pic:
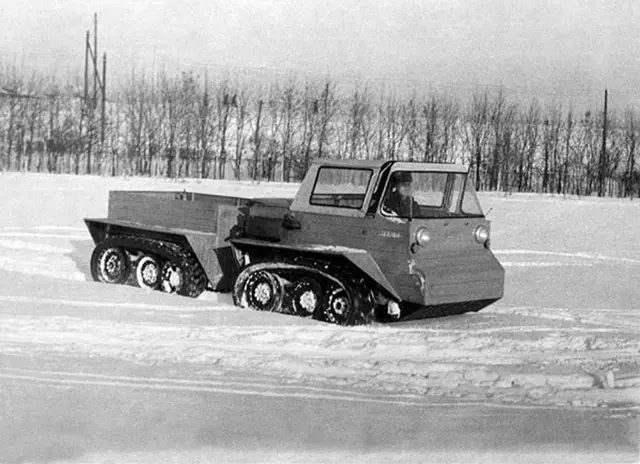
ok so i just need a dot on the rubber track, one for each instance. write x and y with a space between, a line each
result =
196 280
362 289
357 284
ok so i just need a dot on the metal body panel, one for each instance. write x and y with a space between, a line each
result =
180 210
213 252
452 268
455 266
359 257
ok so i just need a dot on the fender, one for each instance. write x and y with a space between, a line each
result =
359 257
216 258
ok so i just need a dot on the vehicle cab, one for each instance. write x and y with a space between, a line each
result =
421 223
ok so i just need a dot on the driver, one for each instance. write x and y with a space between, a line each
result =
399 199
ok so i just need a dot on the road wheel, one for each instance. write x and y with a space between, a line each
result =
338 305
148 272
261 291
110 264
306 296
172 277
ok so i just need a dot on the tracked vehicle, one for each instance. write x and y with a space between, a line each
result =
360 241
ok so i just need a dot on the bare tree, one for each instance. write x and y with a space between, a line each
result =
226 100
356 125
188 122
476 131
550 144
270 161
13 85
630 140
310 119
328 108
431 112
169 95
289 106
450 130
530 141
204 131
135 101
497 124
411 127
240 116
563 173
257 140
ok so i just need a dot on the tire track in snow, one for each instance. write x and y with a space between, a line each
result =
542 264
37 247
249 388
265 390
580 255
44 227
227 380
65 267
113 305
43 235
322 328
70 228
41 250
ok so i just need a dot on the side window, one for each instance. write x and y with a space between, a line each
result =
470 203
456 192
341 187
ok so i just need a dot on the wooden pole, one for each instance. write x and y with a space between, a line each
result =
104 96
86 67
603 154
95 59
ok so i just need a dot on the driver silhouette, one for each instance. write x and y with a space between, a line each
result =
399 200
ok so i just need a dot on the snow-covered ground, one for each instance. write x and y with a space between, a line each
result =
565 338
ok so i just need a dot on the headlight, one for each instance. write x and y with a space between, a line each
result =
422 236
481 235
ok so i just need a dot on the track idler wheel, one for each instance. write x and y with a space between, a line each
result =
306 297
110 264
148 272
172 277
339 305
258 289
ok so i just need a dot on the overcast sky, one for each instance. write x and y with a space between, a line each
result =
567 47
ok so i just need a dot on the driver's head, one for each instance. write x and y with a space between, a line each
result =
402 183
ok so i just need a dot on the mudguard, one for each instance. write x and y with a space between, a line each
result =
359 257
215 258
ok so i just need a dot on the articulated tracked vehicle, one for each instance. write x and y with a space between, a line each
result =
360 241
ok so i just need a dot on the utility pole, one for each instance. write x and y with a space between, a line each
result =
95 58
104 99
603 154
98 90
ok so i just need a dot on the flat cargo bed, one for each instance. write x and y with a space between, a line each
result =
179 210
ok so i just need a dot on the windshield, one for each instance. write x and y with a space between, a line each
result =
424 195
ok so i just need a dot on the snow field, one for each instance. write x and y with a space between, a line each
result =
567 333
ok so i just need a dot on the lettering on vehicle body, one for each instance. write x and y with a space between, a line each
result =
390 234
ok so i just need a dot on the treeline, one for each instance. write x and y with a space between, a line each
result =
190 126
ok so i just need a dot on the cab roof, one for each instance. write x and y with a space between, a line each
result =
397 165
